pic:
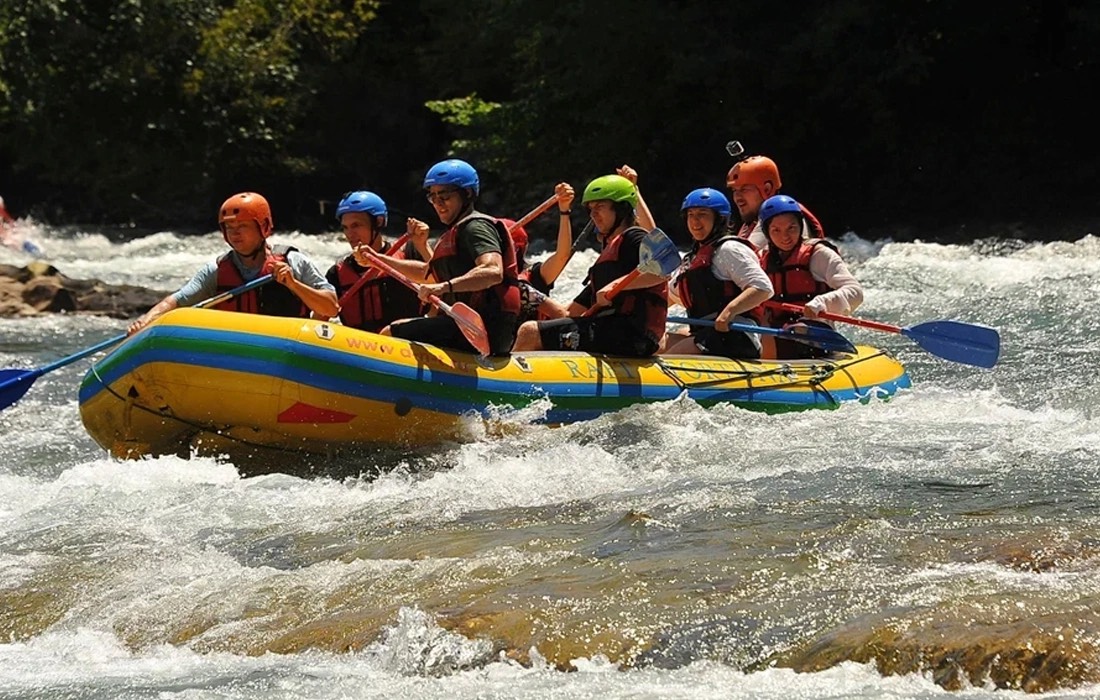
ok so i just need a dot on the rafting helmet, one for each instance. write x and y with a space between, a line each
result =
246 206
774 206
613 187
362 201
756 171
454 172
708 198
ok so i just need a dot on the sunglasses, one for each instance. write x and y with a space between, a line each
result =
441 197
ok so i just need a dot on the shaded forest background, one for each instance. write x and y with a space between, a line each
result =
944 118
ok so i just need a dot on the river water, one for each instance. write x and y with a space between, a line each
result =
944 543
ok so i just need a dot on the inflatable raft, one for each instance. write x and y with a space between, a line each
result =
199 380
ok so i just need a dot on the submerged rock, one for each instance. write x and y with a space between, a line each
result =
41 288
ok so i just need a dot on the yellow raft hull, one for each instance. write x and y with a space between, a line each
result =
199 379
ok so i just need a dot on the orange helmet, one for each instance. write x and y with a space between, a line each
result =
247 206
754 170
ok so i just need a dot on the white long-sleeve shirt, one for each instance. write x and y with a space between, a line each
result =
827 266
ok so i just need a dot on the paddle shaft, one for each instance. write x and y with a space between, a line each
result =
534 213
817 337
796 309
968 343
468 320
371 274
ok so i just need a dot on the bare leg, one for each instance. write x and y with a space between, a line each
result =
527 337
680 345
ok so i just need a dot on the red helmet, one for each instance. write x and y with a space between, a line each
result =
519 237
246 206
754 170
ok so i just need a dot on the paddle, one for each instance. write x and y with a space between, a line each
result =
966 343
372 273
15 382
468 320
657 256
535 213
814 336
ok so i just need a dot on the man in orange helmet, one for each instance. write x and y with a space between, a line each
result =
751 181
245 222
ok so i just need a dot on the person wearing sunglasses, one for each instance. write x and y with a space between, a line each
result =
473 262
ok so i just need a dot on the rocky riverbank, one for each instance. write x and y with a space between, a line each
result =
40 288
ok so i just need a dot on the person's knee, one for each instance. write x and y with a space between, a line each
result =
527 336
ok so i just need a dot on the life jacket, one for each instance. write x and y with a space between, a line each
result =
697 286
271 299
449 261
377 302
792 280
646 307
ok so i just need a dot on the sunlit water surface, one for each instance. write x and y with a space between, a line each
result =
881 550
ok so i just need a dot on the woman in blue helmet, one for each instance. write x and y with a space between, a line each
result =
474 261
375 303
803 270
720 279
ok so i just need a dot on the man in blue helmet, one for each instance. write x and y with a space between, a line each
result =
720 279
380 300
474 262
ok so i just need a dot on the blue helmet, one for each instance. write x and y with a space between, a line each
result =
707 198
363 201
779 204
453 172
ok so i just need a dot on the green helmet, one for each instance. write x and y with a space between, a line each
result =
614 187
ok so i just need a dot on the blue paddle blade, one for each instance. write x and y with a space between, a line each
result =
14 383
968 343
818 337
658 254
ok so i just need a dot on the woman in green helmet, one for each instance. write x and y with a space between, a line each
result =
632 323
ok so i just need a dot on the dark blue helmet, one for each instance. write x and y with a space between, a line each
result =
779 204
363 201
454 172
707 198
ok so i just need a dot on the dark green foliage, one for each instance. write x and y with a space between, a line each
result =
929 112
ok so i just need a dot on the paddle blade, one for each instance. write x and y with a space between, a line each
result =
472 327
14 383
818 337
967 343
658 254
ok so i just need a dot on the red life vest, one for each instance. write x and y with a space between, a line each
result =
449 261
792 280
271 299
697 286
647 307
377 302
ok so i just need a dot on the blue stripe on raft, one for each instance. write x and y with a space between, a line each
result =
490 389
